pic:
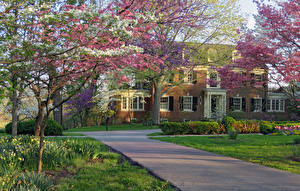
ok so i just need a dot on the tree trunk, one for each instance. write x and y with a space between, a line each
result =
39 121
58 112
42 140
42 146
14 112
156 104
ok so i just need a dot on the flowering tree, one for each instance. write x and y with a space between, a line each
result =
81 104
273 45
177 22
68 46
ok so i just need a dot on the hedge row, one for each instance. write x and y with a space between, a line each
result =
206 128
27 128
195 127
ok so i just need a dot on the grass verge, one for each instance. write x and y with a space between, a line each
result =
273 151
72 134
69 164
111 175
113 128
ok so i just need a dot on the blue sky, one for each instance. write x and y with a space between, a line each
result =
248 8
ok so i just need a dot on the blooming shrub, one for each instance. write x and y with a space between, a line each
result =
247 126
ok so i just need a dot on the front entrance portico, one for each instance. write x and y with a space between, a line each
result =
214 103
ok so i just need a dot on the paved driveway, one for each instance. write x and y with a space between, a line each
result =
195 170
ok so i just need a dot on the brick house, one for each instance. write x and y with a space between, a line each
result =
195 99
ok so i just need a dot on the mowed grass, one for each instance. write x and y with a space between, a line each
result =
108 172
272 151
113 128
72 134
110 176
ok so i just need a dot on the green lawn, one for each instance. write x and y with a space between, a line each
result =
112 176
273 151
113 128
72 134
71 164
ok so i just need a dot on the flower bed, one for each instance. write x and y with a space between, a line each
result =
288 130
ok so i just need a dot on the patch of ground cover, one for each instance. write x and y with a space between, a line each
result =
113 128
274 151
64 160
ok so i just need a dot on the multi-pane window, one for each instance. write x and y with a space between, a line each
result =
236 104
187 103
135 103
190 77
275 105
257 105
213 80
164 103
124 103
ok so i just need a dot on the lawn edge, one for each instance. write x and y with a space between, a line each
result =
135 163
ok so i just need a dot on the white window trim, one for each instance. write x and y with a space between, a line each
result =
260 105
128 102
186 77
188 110
218 79
241 104
168 104
270 109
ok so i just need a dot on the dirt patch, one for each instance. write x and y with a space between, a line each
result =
96 160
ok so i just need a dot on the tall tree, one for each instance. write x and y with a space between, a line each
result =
177 24
273 45
67 46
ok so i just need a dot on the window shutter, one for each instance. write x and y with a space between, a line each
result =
252 105
252 81
264 105
171 79
171 103
243 104
180 103
194 77
230 103
195 103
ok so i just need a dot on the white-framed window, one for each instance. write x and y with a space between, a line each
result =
164 104
236 104
189 78
275 105
132 103
257 105
214 81
124 103
187 103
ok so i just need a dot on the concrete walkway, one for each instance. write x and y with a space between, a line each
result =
195 170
